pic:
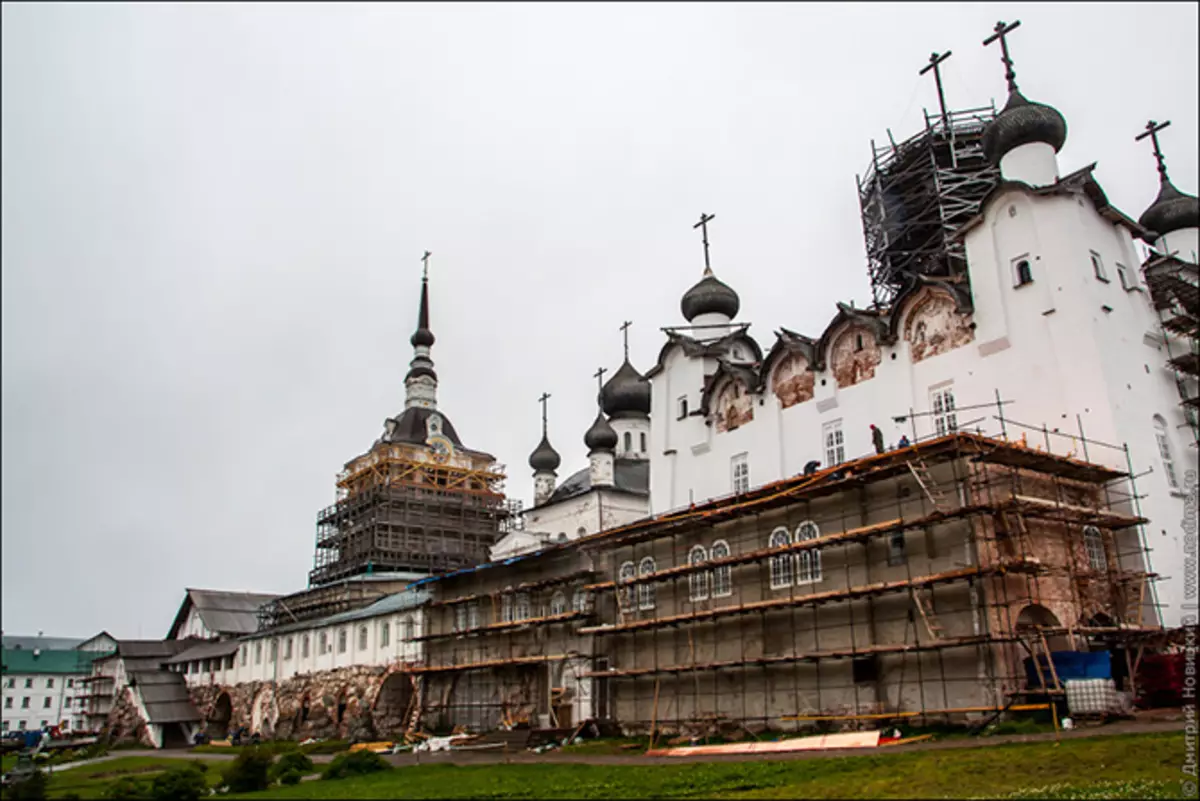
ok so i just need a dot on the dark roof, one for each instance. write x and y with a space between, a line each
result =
544 457
1020 123
1171 211
709 295
145 649
45 643
411 427
223 612
694 347
165 696
205 650
601 436
38 661
629 475
626 394
423 335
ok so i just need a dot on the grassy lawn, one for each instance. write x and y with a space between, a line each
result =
90 781
1130 766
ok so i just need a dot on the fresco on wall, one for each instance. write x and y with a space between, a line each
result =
734 406
854 356
934 326
792 381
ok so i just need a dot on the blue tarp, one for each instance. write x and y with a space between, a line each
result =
1071 665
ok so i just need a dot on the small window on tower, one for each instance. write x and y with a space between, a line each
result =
1098 267
1022 272
643 441
628 442
1125 277
682 405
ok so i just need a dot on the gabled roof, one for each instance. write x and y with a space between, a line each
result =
694 347
205 650
408 598
224 613
165 696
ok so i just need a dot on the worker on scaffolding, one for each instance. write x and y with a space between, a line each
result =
877 438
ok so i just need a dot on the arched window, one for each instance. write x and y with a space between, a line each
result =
808 561
698 581
558 604
722 576
473 615
523 606
645 591
580 600
781 566
274 650
625 575
562 536
385 634
643 440
1164 451
245 655
1024 272
362 638
410 629
304 647
506 606
258 652
628 442
323 643
287 648
1093 543
343 636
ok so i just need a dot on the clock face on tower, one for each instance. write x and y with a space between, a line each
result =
442 448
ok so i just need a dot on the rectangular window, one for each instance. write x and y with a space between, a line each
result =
70 682
258 652
681 407
49 684
460 618
1098 267
28 684
229 662
10 683
274 650
46 702
21 725
287 648
244 652
343 637
740 469
8 703
385 634
1126 277
25 702
363 635
945 419
896 549
1164 451
304 647
835 443
472 616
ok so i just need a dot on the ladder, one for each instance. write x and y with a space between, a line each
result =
928 485
925 608
1031 643
414 715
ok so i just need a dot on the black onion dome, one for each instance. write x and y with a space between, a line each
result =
600 437
1171 211
708 296
626 394
1020 123
422 336
544 457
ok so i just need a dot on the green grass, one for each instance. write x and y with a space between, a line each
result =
1081 768
276 747
90 781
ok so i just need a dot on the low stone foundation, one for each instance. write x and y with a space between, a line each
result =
345 703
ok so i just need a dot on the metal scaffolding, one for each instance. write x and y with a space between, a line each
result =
916 194
1174 287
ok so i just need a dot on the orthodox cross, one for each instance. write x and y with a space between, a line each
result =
703 226
625 332
934 60
542 400
425 266
599 376
1152 129
1002 30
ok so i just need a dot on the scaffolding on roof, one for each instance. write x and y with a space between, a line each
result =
916 194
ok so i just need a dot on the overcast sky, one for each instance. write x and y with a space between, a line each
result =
213 217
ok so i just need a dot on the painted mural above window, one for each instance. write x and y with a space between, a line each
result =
854 356
934 326
793 380
734 407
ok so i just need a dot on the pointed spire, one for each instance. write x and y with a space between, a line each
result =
421 381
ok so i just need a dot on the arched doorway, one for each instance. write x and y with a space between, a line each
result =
219 716
263 714
392 704
1035 618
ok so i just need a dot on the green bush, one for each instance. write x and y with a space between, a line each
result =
249 772
129 788
292 761
186 784
358 763
31 788
290 777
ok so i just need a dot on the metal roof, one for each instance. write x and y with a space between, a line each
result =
19 661
45 643
408 598
165 696
205 650
223 612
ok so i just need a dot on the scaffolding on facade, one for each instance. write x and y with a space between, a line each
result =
916 194
1174 287
927 582
400 512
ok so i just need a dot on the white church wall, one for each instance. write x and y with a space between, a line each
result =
193 626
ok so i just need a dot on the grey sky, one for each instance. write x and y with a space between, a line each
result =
213 217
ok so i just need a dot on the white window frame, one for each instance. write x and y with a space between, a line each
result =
698 589
681 407
1164 452
1126 277
385 634
472 615
1018 282
782 568
304 647
1098 267
287 648
645 590
343 640
524 609
410 629
460 617
834 441
945 415
739 473
808 561
258 652
579 600
364 638
1093 544
626 574
506 606
721 579
558 603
